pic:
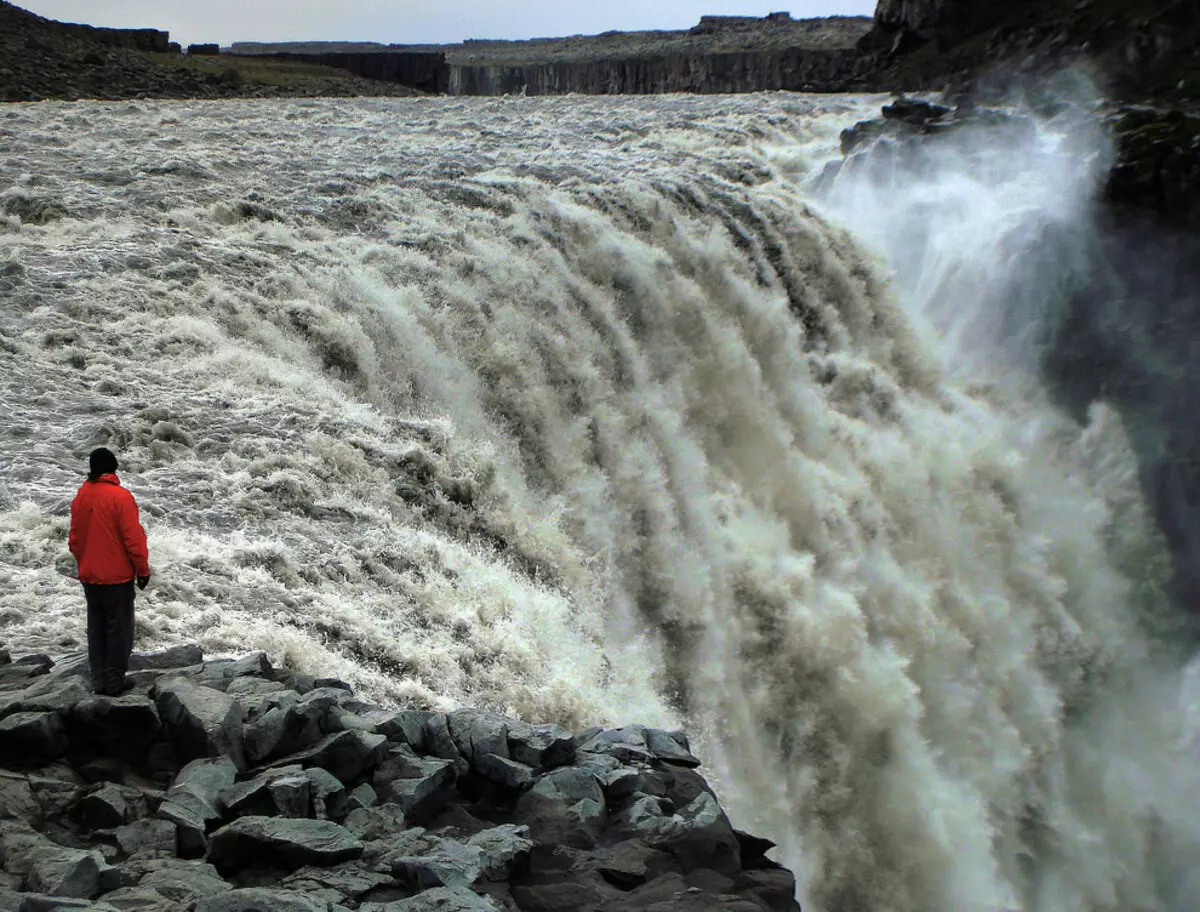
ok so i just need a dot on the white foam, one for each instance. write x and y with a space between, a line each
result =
574 408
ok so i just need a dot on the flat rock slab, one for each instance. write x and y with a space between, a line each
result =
181 881
439 899
347 755
174 657
281 843
260 900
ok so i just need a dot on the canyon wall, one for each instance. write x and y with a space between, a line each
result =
426 71
795 69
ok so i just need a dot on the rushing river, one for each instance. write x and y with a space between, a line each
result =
587 410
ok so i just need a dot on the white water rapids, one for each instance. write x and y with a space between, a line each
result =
582 410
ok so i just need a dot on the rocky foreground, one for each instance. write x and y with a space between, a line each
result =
230 786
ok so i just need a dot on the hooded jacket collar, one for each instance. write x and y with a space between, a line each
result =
110 478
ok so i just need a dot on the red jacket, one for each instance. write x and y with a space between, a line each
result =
106 537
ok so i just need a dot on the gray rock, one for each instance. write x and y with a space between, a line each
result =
627 745
476 733
122 726
351 880
439 743
505 848
347 755
38 902
362 797
200 721
256 899
53 869
439 899
17 799
565 806
625 782
543 747
774 886
372 824
49 694
671 747
441 863
21 672
630 864
420 786
267 735
182 881
30 739
278 843
139 899
328 794
699 834
405 727
147 838
284 793
219 673
254 687
102 809
502 771
167 659
193 802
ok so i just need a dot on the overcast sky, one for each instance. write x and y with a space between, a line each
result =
416 21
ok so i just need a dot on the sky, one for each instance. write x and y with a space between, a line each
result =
413 21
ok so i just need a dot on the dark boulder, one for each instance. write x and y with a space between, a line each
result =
29 739
193 803
147 838
543 747
279 843
420 786
565 806
46 867
347 755
200 721
506 850
122 726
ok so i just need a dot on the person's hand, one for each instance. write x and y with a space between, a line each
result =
143 581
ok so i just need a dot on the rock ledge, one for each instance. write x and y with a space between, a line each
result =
232 786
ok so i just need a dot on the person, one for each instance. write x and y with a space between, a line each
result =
109 546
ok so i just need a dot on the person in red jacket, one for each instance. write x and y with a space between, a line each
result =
109 545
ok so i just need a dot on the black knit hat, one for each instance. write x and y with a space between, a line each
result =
101 462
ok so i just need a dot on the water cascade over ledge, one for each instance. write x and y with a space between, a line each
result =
584 410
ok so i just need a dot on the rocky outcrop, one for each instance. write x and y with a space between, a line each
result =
1137 49
345 805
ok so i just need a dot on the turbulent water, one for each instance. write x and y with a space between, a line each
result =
584 410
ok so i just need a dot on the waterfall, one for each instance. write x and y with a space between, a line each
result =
585 410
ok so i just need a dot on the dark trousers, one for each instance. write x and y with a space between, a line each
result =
110 634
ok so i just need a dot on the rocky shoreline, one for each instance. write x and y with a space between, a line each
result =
228 785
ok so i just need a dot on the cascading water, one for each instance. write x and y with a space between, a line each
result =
581 409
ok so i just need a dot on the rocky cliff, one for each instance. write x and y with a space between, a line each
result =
41 59
232 786
1136 49
423 70
792 69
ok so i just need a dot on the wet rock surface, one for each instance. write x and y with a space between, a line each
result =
355 808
